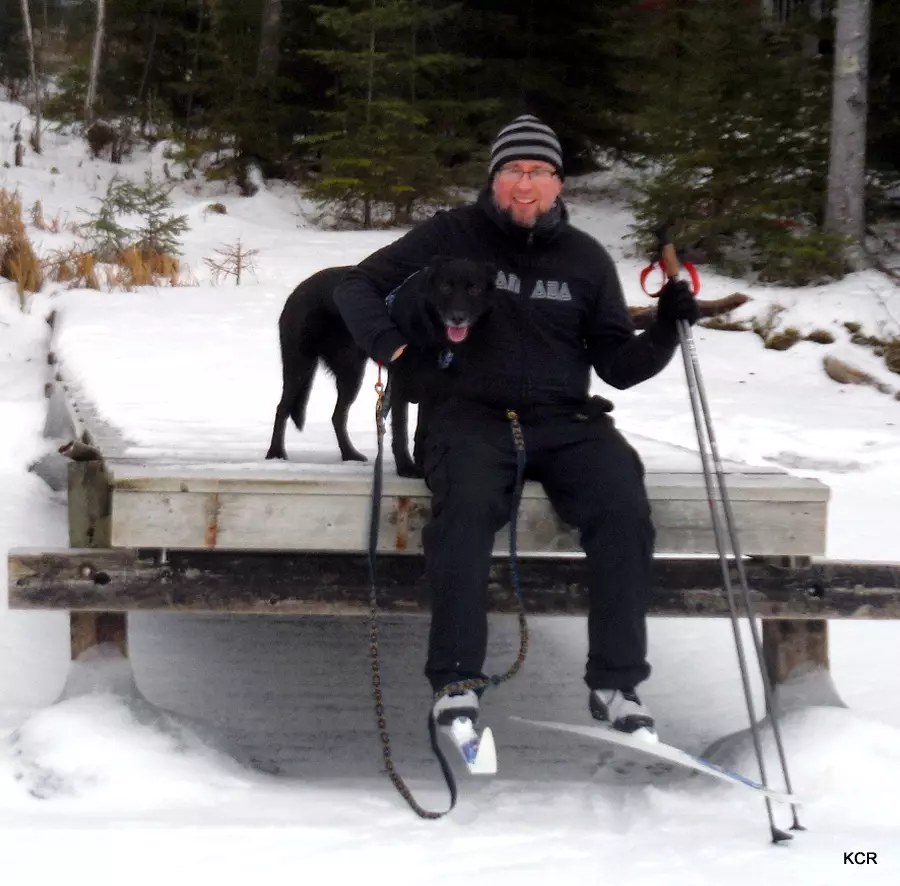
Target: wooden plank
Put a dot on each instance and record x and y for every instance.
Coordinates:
(665, 481)
(334, 522)
(338, 584)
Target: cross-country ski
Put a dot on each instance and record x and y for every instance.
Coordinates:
(662, 751)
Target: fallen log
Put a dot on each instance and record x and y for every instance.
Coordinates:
(642, 316)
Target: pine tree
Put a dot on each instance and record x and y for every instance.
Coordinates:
(381, 152)
(733, 122)
(13, 54)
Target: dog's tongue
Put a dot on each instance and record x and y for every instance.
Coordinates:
(457, 333)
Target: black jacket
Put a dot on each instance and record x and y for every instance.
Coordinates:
(557, 311)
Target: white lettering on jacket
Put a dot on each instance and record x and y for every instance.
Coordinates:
(549, 289)
(511, 283)
(552, 289)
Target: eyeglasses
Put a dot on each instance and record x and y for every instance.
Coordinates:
(537, 175)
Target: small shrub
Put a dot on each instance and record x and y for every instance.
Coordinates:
(783, 341)
(892, 355)
(37, 216)
(852, 327)
(218, 208)
(765, 326)
(801, 257)
(73, 266)
(820, 337)
(102, 136)
(148, 268)
(18, 261)
(20, 264)
(157, 231)
(232, 261)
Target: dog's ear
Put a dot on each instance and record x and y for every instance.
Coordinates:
(490, 275)
(436, 261)
(433, 266)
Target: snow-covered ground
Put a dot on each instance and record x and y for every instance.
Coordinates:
(153, 779)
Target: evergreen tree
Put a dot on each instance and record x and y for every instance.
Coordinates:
(733, 122)
(884, 89)
(13, 54)
(552, 62)
(380, 149)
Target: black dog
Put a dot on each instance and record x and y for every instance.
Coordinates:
(434, 309)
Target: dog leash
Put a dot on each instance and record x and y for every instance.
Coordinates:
(382, 408)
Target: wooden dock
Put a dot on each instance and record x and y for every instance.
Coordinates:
(155, 526)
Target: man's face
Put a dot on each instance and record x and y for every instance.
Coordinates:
(526, 196)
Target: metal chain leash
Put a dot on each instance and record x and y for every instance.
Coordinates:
(382, 408)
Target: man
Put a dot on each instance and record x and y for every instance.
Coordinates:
(558, 311)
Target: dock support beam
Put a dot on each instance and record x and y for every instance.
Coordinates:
(89, 516)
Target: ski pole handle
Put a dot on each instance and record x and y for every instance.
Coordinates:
(669, 261)
(669, 265)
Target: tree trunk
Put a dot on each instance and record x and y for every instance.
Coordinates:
(269, 40)
(195, 64)
(145, 114)
(35, 85)
(370, 86)
(91, 96)
(847, 165)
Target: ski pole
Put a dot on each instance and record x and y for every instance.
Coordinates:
(706, 438)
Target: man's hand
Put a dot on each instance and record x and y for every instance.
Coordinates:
(676, 302)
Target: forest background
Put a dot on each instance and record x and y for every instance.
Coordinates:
(383, 110)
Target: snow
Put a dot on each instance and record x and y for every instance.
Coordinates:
(241, 747)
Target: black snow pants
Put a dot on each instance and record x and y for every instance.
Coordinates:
(595, 481)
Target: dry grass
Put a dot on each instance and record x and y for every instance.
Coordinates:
(82, 269)
(53, 225)
(135, 267)
(18, 261)
(75, 267)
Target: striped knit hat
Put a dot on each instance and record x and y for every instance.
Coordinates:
(526, 138)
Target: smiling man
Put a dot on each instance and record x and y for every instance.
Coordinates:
(556, 312)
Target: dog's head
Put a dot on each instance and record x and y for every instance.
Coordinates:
(457, 291)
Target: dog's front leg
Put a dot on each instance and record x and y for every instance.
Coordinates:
(406, 467)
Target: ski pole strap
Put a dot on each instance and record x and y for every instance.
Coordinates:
(661, 266)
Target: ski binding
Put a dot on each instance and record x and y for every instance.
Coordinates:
(647, 742)
(478, 751)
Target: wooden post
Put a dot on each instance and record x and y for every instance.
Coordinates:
(89, 629)
(793, 646)
(89, 513)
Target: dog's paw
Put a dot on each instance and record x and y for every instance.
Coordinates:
(409, 469)
(275, 453)
(353, 455)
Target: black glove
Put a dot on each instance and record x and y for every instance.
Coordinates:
(676, 302)
(594, 407)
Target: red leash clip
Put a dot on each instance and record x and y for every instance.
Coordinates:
(645, 274)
